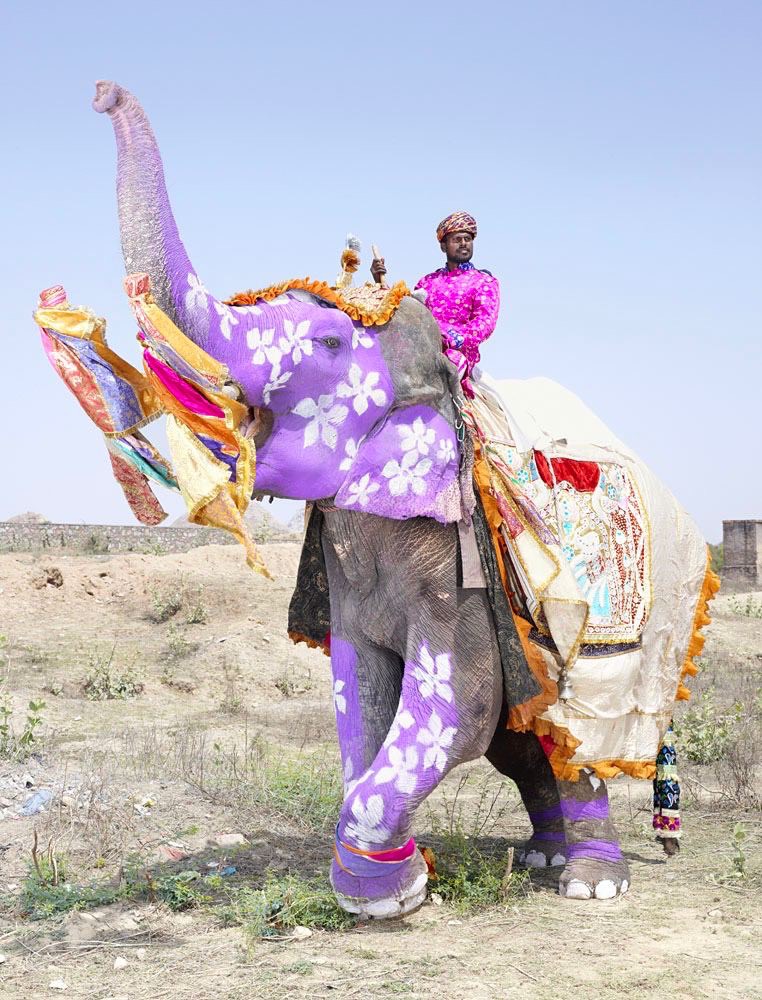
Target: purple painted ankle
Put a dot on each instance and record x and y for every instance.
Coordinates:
(595, 850)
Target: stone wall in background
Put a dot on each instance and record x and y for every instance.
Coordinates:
(742, 548)
(95, 538)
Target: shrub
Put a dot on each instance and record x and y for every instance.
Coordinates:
(472, 879)
(285, 901)
(104, 682)
(747, 607)
(704, 733)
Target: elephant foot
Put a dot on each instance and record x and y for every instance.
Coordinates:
(593, 878)
(381, 896)
(540, 851)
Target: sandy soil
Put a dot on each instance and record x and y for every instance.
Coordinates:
(685, 929)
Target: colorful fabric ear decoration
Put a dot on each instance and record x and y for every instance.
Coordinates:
(214, 461)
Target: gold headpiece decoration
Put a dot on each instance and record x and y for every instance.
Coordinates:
(350, 261)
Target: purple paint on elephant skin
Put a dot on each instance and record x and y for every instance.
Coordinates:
(405, 468)
(549, 835)
(595, 850)
(594, 809)
(541, 816)
(346, 705)
(412, 761)
(332, 397)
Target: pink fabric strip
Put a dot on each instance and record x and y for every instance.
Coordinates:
(396, 854)
(182, 391)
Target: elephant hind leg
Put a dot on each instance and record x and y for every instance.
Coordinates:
(596, 867)
(520, 757)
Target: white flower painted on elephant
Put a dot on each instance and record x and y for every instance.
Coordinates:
(361, 389)
(261, 343)
(361, 491)
(367, 829)
(277, 381)
(416, 436)
(196, 297)
(349, 770)
(400, 769)
(433, 675)
(350, 454)
(324, 417)
(295, 341)
(436, 738)
(339, 701)
(361, 338)
(407, 474)
(402, 720)
(446, 450)
(227, 318)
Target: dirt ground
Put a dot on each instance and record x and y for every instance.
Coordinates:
(122, 777)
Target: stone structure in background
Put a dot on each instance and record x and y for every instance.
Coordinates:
(742, 546)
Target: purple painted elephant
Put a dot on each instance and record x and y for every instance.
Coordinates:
(363, 421)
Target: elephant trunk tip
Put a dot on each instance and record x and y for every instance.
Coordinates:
(107, 95)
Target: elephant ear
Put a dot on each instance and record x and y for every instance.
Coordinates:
(406, 468)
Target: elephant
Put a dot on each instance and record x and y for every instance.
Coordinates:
(365, 422)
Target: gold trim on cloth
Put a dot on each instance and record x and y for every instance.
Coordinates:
(365, 304)
(82, 324)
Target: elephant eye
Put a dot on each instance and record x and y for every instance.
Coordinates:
(332, 342)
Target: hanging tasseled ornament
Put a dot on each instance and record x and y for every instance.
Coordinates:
(350, 261)
(666, 821)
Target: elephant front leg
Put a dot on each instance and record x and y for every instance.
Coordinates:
(447, 711)
(595, 866)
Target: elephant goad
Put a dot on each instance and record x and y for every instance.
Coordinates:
(499, 576)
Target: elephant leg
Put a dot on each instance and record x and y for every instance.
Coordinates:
(366, 689)
(447, 711)
(521, 758)
(595, 865)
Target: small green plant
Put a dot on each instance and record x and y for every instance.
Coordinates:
(15, 745)
(749, 606)
(183, 890)
(470, 879)
(232, 703)
(104, 682)
(165, 604)
(196, 612)
(178, 646)
(290, 685)
(704, 733)
(283, 902)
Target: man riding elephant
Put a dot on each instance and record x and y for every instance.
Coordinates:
(463, 299)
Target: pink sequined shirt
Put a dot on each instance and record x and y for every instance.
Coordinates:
(465, 302)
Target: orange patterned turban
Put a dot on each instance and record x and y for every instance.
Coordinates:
(458, 222)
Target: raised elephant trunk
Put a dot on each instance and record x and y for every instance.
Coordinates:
(150, 239)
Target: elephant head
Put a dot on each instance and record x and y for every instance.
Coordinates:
(363, 415)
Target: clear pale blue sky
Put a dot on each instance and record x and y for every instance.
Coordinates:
(611, 153)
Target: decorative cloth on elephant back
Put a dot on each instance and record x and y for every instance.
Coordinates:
(607, 576)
